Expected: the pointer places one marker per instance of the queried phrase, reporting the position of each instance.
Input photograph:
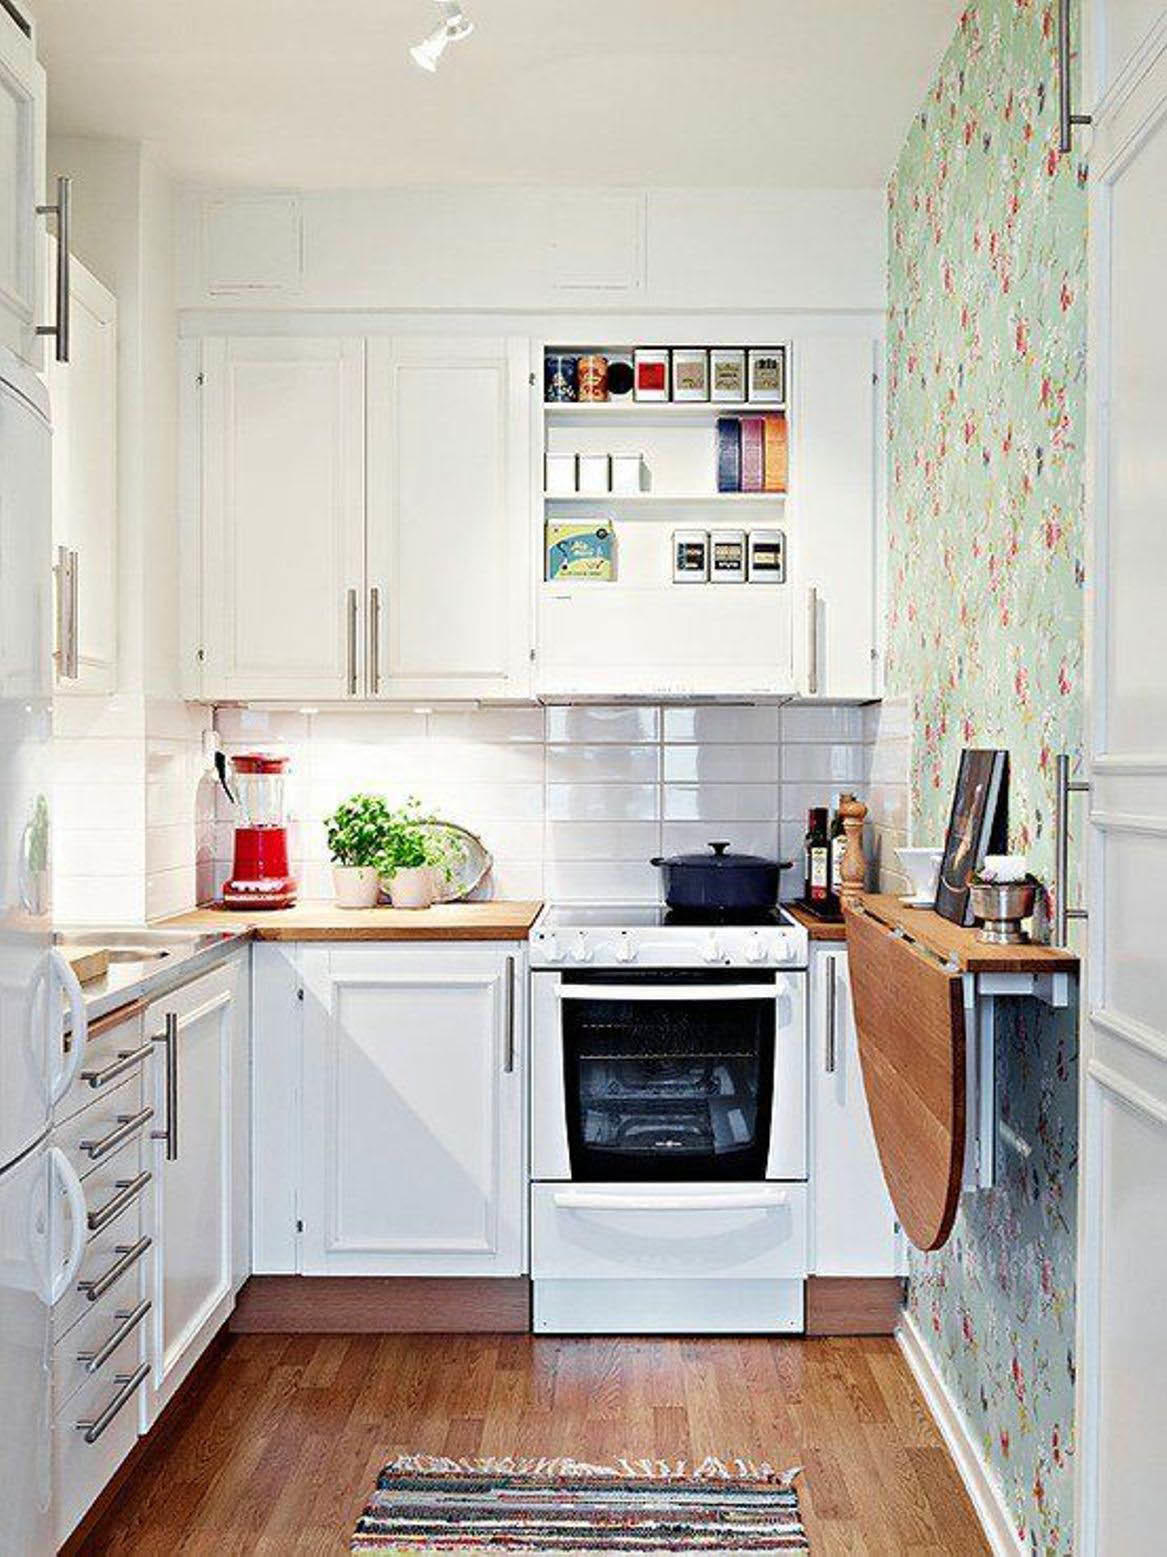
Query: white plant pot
(356, 886)
(412, 887)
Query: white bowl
(922, 868)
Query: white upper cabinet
(283, 521)
(83, 402)
(833, 522)
(22, 172)
(448, 587)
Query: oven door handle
(676, 992)
(764, 1198)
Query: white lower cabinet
(196, 1030)
(854, 1229)
(408, 1155)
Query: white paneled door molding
(1122, 1272)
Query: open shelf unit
(641, 631)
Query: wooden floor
(290, 1431)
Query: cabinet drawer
(109, 1059)
(111, 1263)
(92, 1346)
(93, 1136)
(85, 1459)
(673, 1231)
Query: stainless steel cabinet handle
(130, 1320)
(812, 640)
(832, 1016)
(170, 1135)
(128, 1383)
(128, 1191)
(66, 651)
(126, 1125)
(74, 617)
(1066, 117)
(1064, 787)
(129, 1255)
(126, 1060)
(509, 1061)
(374, 640)
(61, 211)
(351, 609)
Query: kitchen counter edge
(491, 921)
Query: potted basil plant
(412, 855)
(357, 831)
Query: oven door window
(667, 1088)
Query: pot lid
(719, 858)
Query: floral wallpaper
(986, 400)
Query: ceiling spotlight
(453, 27)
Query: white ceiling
(318, 93)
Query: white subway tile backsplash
(712, 723)
(98, 718)
(815, 762)
(590, 725)
(742, 837)
(602, 802)
(257, 727)
(486, 724)
(77, 805)
(610, 763)
(609, 840)
(720, 802)
(611, 881)
(821, 722)
(730, 764)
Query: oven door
(681, 1075)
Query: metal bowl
(1002, 906)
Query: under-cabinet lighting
(453, 27)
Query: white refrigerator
(36, 1062)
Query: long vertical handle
(812, 640)
(351, 609)
(1066, 117)
(374, 640)
(829, 1060)
(1064, 787)
(66, 1176)
(74, 615)
(509, 997)
(64, 611)
(63, 1079)
(169, 1037)
(61, 211)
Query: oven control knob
(755, 951)
(550, 948)
(581, 951)
(625, 950)
(711, 951)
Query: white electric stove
(648, 935)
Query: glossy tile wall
(572, 802)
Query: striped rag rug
(425, 1503)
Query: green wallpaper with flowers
(986, 348)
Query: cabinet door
(83, 398)
(412, 1125)
(22, 172)
(282, 517)
(854, 1223)
(833, 518)
(192, 1169)
(449, 517)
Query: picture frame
(978, 824)
(727, 375)
(767, 375)
(690, 373)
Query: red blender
(259, 872)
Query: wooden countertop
(817, 929)
(963, 948)
(496, 921)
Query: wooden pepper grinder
(853, 871)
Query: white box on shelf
(560, 474)
(628, 474)
(595, 474)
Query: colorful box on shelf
(581, 551)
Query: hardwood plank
(284, 1441)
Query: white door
(83, 402)
(832, 515)
(283, 520)
(449, 517)
(192, 1169)
(854, 1224)
(412, 1124)
(1122, 1272)
(22, 171)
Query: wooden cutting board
(89, 963)
(909, 1016)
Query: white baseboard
(980, 1485)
